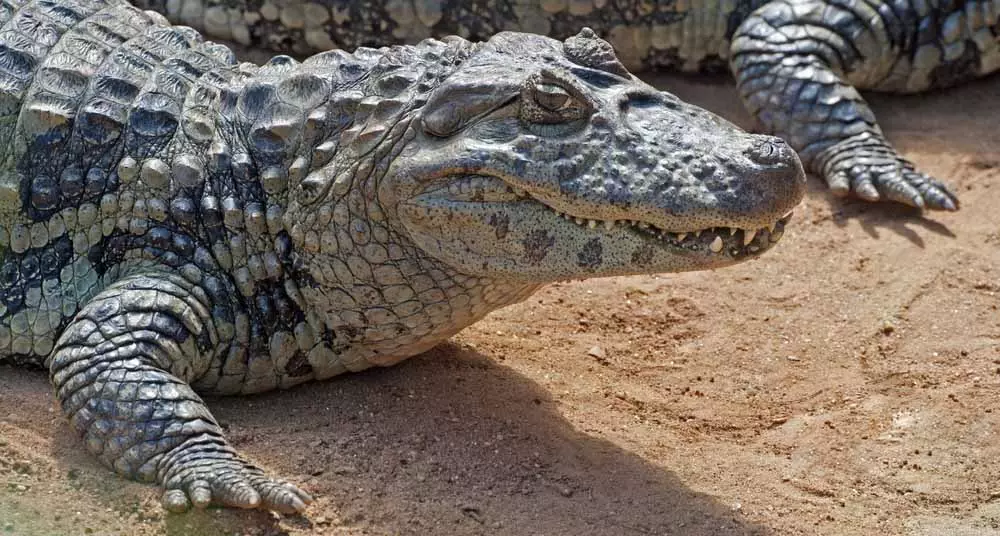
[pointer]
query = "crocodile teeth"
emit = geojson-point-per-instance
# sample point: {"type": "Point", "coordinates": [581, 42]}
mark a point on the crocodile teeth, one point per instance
{"type": "Point", "coordinates": [520, 192]}
{"type": "Point", "coordinates": [717, 236]}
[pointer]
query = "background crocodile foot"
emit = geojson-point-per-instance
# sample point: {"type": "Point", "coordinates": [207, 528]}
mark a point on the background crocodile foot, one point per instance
{"type": "Point", "coordinates": [867, 167]}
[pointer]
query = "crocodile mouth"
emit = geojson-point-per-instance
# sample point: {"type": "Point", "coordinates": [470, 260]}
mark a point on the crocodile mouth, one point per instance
{"type": "Point", "coordinates": [722, 241]}
{"type": "Point", "coordinates": [732, 241]}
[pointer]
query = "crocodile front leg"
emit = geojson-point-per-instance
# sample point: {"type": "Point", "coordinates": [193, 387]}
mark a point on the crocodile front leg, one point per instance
{"type": "Point", "coordinates": [797, 63]}
{"type": "Point", "coordinates": [121, 371]}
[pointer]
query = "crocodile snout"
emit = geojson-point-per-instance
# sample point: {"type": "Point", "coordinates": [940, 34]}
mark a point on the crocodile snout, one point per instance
{"type": "Point", "coordinates": [779, 169]}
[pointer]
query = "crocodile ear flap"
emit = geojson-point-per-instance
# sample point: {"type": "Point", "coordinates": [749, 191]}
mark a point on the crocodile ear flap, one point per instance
{"type": "Point", "coordinates": [464, 98]}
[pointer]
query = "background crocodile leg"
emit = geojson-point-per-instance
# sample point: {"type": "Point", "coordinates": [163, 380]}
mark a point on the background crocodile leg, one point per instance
{"type": "Point", "coordinates": [121, 372]}
{"type": "Point", "coordinates": [797, 64]}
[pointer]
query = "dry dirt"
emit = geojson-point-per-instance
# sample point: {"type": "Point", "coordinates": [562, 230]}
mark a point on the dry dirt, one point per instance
{"type": "Point", "coordinates": [844, 384]}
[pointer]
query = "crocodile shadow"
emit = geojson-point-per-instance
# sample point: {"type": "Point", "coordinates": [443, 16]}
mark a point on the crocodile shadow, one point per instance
{"type": "Point", "coordinates": [452, 442]}
{"type": "Point", "coordinates": [449, 442]}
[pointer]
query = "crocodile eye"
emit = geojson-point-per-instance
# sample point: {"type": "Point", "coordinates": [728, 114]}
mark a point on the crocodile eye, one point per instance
{"type": "Point", "coordinates": [551, 97]}
{"type": "Point", "coordinates": [548, 102]}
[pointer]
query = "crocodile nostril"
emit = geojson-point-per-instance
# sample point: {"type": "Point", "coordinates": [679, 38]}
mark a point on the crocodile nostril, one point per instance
{"type": "Point", "coordinates": [770, 151]}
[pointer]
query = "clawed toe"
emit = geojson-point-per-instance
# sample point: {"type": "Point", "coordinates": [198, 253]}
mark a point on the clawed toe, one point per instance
{"type": "Point", "coordinates": [175, 500]}
{"type": "Point", "coordinates": [238, 494]}
{"type": "Point", "coordinates": [286, 498]}
{"type": "Point", "coordinates": [934, 192]}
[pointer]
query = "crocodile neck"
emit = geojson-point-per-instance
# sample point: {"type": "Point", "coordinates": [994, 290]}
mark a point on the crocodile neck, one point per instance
{"type": "Point", "coordinates": [314, 215]}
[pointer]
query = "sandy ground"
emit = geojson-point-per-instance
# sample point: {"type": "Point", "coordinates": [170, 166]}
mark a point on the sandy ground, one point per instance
{"type": "Point", "coordinates": [844, 384]}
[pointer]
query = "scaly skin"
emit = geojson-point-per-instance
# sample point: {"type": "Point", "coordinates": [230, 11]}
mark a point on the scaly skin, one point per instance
{"type": "Point", "coordinates": [797, 62]}
{"type": "Point", "coordinates": [173, 223]}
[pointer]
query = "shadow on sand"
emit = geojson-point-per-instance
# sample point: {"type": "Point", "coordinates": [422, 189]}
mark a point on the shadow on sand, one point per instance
{"type": "Point", "coordinates": [449, 442]}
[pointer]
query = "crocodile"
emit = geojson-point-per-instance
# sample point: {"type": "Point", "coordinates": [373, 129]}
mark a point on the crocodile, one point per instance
{"type": "Point", "coordinates": [797, 63]}
{"type": "Point", "coordinates": [175, 223]}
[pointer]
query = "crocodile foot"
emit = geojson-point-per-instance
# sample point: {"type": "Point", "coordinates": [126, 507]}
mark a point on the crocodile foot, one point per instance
{"type": "Point", "coordinates": [872, 170]}
{"type": "Point", "coordinates": [223, 478]}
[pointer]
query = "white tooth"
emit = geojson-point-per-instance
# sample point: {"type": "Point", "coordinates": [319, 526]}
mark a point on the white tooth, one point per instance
{"type": "Point", "coordinates": [716, 245]}
{"type": "Point", "coordinates": [748, 236]}
{"type": "Point", "coordinates": [732, 231]}
{"type": "Point", "coordinates": [609, 224]}
{"type": "Point", "coordinates": [697, 234]}
{"type": "Point", "coordinates": [643, 225]}
{"type": "Point", "coordinates": [579, 221]}
{"type": "Point", "coordinates": [519, 192]}
{"type": "Point", "coordinates": [592, 224]}
{"type": "Point", "coordinates": [770, 228]}
{"type": "Point", "coordinates": [681, 237]}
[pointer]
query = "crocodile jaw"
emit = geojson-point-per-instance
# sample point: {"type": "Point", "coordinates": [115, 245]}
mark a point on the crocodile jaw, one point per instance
{"type": "Point", "coordinates": [500, 231]}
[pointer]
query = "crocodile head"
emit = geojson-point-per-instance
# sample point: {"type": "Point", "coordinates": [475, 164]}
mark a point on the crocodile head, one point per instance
{"type": "Point", "coordinates": [445, 180]}
{"type": "Point", "coordinates": [539, 160]}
